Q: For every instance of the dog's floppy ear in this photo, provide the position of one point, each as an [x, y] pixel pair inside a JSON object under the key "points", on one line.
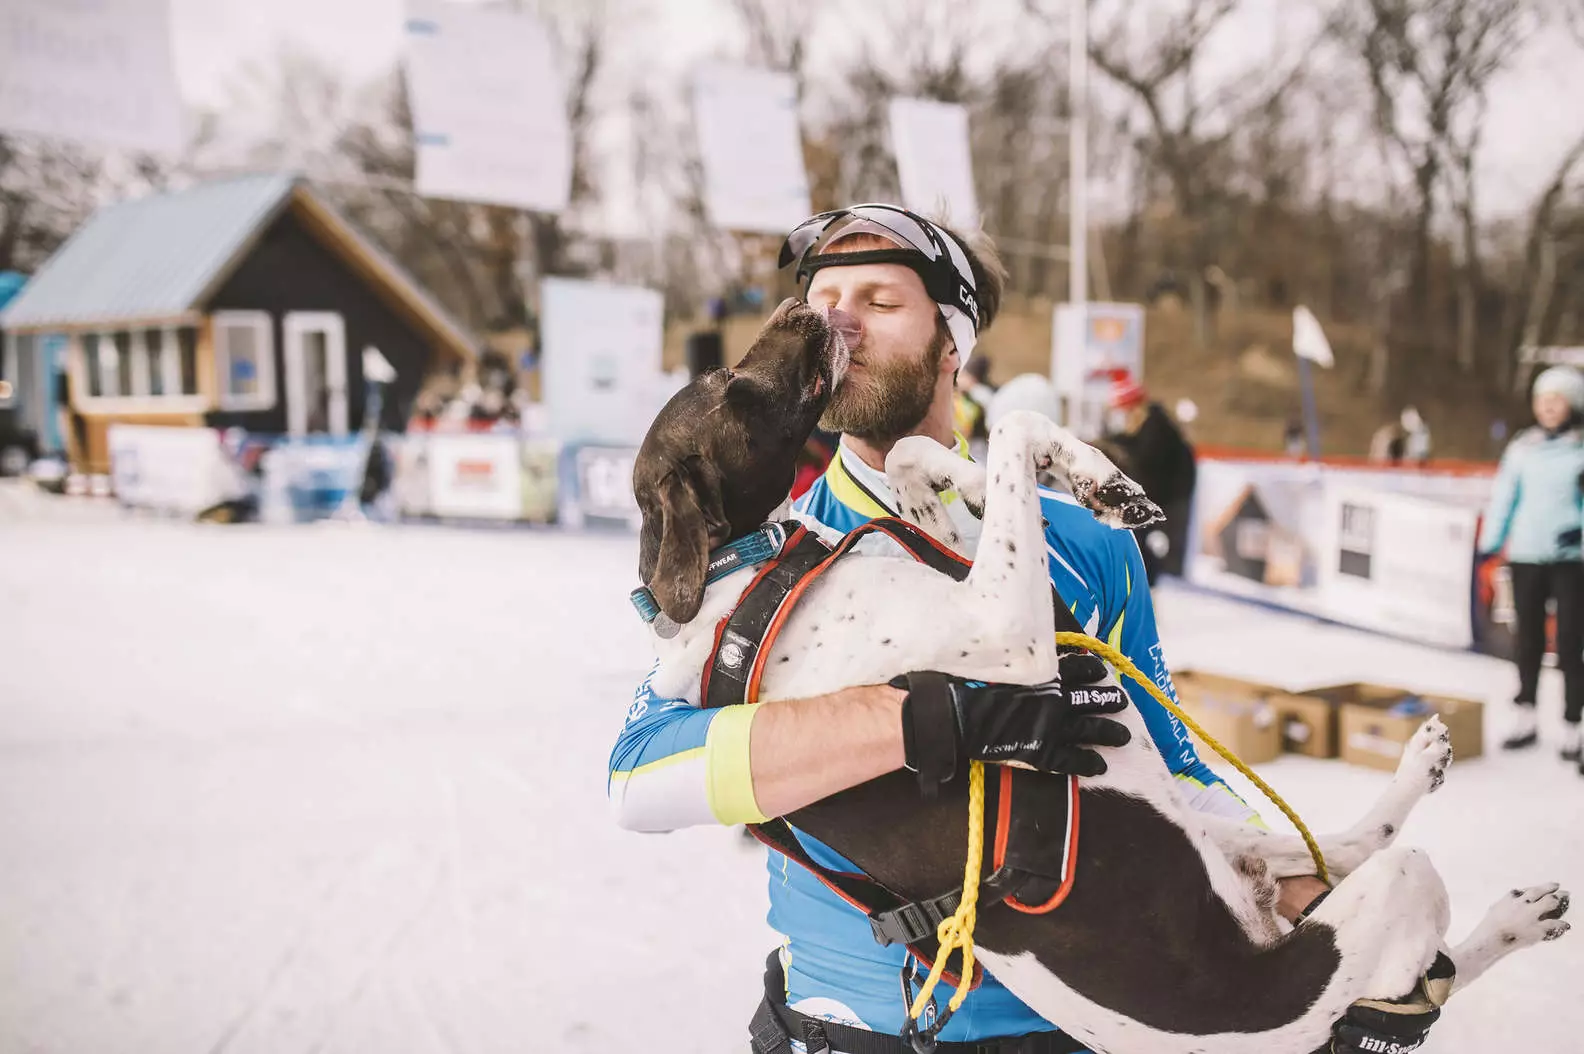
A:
{"points": [[675, 562], [747, 390]]}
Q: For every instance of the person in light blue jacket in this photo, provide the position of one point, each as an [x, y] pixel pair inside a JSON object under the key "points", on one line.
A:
{"points": [[1536, 512]]}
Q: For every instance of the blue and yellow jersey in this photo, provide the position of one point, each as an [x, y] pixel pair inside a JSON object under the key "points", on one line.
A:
{"points": [[675, 765]]}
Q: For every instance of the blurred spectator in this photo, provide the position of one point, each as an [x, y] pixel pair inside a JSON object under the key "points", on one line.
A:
{"points": [[972, 400], [1536, 511], [1026, 391], [1416, 437], [1388, 443], [1293, 442], [1150, 447], [813, 460]]}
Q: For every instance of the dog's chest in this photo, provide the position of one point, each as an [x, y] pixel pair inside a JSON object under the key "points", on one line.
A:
{"points": [[868, 620]]}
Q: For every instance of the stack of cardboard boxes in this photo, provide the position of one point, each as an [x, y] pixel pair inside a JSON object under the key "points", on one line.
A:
{"points": [[1364, 724]]}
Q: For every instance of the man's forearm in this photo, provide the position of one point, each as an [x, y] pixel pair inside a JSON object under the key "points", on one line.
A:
{"points": [[802, 750]]}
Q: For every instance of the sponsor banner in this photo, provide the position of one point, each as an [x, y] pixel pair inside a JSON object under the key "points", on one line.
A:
{"points": [[1090, 343], [1252, 531], [596, 486], [601, 373], [177, 470], [1398, 564], [474, 476], [1272, 531]]}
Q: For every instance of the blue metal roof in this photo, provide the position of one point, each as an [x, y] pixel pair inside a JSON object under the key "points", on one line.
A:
{"points": [[153, 257]]}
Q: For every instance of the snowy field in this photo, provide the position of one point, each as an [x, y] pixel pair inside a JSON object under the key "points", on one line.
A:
{"points": [[341, 789]]}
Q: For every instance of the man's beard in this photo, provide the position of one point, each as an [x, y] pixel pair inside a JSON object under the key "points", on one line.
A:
{"points": [[887, 402]]}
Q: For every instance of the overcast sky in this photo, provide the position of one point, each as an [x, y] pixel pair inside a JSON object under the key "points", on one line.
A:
{"points": [[1535, 111]]}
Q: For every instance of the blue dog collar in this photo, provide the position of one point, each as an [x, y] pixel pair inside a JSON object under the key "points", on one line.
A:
{"points": [[763, 544]]}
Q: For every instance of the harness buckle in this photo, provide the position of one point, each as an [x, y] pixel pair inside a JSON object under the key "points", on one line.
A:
{"points": [[914, 920]]}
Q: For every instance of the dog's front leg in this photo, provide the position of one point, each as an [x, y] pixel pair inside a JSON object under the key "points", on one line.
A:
{"points": [[919, 470], [1422, 771]]}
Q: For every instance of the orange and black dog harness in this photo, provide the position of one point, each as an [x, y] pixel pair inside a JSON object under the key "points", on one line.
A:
{"points": [[1035, 829]]}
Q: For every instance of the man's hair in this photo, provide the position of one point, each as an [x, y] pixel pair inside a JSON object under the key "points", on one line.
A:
{"points": [[989, 273]]}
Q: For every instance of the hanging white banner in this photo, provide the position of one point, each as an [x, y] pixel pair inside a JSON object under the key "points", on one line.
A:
{"points": [[488, 106], [748, 138], [94, 71], [934, 160]]}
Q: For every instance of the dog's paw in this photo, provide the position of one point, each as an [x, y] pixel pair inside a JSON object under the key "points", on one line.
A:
{"points": [[1527, 916], [1116, 502], [1427, 756]]}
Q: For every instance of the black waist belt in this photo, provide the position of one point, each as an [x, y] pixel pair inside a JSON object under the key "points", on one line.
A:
{"points": [[775, 1024]]}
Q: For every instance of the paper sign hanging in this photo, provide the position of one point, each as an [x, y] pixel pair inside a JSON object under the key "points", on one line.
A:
{"points": [[488, 107], [934, 162], [752, 150]]}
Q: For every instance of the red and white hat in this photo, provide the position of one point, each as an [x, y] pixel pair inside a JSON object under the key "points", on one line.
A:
{"points": [[1126, 391]]}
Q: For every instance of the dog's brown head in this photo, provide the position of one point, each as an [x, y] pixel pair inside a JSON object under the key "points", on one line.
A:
{"points": [[723, 452]]}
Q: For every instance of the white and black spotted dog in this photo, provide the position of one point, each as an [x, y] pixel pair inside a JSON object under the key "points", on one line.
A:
{"points": [[1168, 942]]}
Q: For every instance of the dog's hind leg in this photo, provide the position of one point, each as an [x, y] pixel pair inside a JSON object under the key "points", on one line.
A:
{"points": [[1422, 770], [1520, 919]]}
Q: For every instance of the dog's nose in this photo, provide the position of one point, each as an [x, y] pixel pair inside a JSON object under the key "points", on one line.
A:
{"points": [[849, 327]]}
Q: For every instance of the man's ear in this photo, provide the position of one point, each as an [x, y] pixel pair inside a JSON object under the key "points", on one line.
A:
{"points": [[676, 560]]}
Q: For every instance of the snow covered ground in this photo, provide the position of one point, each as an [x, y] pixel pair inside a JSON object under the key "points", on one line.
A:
{"points": [[342, 789]]}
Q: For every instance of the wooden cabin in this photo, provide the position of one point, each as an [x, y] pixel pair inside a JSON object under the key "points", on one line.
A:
{"points": [[241, 302]]}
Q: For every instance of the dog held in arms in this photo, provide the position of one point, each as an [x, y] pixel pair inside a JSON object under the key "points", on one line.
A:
{"points": [[1169, 942]]}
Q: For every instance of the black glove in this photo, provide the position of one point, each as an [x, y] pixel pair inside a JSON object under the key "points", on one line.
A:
{"points": [[1394, 1026], [1367, 1030], [948, 721]]}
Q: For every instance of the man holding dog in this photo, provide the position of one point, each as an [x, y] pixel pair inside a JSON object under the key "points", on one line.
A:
{"points": [[922, 295]]}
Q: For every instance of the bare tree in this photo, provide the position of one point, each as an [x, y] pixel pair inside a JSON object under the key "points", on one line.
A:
{"points": [[779, 35], [1190, 126], [1430, 64], [1536, 282]]}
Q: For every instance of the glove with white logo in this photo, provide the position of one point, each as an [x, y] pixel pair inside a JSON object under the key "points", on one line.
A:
{"points": [[1394, 1026], [948, 721]]}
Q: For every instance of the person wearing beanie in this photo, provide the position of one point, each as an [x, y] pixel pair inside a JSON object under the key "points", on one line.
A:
{"points": [[1536, 512], [1150, 447]]}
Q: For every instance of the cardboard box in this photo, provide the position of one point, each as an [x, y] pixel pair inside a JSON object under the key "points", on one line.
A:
{"points": [[1235, 712], [1308, 724], [1305, 724], [1375, 721]]}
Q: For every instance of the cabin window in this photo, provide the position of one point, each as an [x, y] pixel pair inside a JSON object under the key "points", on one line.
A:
{"points": [[245, 359], [144, 362], [181, 344], [8, 369], [93, 364], [148, 367], [172, 361], [118, 363]]}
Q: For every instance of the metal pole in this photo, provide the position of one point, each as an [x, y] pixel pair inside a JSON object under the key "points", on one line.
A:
{"points": [[1078, 152], [1310, 411]]}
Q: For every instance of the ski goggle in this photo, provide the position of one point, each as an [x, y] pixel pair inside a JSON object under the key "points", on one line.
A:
{"points": [[923, 247]]}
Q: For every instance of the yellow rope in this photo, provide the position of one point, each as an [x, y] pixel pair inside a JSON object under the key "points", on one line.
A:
{"points": [[1125, 665], [957, 931]]}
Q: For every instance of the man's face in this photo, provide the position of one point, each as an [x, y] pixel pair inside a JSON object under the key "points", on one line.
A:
{"points": [[893, 379]]}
